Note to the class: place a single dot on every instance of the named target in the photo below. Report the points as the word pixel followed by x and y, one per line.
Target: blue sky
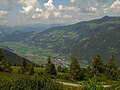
pixel 18 12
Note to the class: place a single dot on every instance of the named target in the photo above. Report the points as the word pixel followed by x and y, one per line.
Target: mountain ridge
pixel 84 39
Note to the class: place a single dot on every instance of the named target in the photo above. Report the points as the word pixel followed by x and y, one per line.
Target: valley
pixel 59 44
pixel 82 56
pixel 83 39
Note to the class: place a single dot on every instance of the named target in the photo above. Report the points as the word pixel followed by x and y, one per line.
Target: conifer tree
pixel 112 68
pixel 97 64
pixel 31 69
pixel 50 67
pixel 23 68
pixel 75 69
pixel 59 68
pixel 1 55
pixel 111 64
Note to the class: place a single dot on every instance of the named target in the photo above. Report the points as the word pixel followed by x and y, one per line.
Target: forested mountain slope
pixel 83 39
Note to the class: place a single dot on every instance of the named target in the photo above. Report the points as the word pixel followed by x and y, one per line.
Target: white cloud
pixel 106 8
pixel 67 16
pixel 6 7
pixel 115 7
pixel 68 8
pixel 29 6
pixel 2 13
pixel 49 5
pixel 51 10
pixel 41 15
pixel 73 1
pixel 92 9
pixel 56 14
pixel 38 10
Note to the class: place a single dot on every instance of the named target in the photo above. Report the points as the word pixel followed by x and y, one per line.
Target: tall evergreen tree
pixel 75 69
pixel 31 69
pixel 59 68
pixel 23 68
pixel 97 64
pixel 1 55
pixel 50 67
pixel 111 64
pixel 112 68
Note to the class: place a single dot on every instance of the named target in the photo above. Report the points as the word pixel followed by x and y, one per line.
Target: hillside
pixel 13 58
pixel 83 39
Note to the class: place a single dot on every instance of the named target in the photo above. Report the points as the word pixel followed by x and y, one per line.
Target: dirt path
pixel 77 85
pixel 70 84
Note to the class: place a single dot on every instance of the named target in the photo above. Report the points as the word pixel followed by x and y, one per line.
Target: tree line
pixel 97 67
pixel 74 72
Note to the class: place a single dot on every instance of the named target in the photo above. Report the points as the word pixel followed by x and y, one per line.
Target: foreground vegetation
pixel 28 83
pixel 97 76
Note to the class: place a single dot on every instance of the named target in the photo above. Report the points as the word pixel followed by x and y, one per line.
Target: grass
pixel 15 69
pixel 36 69
pixel 39 69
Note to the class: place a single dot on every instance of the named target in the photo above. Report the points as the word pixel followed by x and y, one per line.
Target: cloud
pixel 115 7
pixel 73 1
pixel 68 8
pixel 5 7
pixel 67 16
pixel 92 9
pixel 6 4
pixel 54 12
pixel 2 13
pixel 49 5
pixel 41 16
pixel 29 6
pixel 105 9
pixel 51 12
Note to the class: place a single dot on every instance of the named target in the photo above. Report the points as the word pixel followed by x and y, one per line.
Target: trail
pixel 70 84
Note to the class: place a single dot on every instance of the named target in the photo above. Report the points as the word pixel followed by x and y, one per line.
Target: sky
pixel 19 12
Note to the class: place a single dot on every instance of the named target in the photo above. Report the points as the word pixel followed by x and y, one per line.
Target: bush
pixel 62 76
pixel 28 83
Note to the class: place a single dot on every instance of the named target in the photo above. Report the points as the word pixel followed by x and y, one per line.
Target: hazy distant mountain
pixel 31 27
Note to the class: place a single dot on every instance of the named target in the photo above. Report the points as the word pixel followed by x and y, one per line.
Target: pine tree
pixel 111 64
pixel 97 64
pixel 75 69
pixel 31 69
pixel 112 68
pixel 23 68
pixel 1 55
pixel 50 67
pixel 59 68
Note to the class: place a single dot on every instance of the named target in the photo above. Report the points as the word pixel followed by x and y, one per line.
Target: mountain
pixel 83 39
pixel 23 28
pixel 13 58
pixel 16 36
